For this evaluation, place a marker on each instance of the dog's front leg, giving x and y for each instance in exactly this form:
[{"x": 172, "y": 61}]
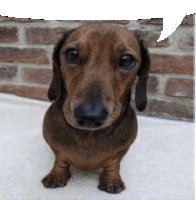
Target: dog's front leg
[
  {"x": 110, "y": 180},
  {"x": 58, "y": 176}
]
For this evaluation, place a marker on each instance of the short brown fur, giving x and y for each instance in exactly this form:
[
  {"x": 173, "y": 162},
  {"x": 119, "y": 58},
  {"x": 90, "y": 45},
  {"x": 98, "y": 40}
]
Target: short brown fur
[{"x": 97, "y": 75}]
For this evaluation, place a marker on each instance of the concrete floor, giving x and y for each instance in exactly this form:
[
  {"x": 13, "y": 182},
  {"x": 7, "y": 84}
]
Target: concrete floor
[{"x": 159, "y": 165}]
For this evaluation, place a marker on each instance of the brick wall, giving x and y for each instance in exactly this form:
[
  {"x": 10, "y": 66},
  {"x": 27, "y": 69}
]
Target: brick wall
[{"x": 26, "y": 48}]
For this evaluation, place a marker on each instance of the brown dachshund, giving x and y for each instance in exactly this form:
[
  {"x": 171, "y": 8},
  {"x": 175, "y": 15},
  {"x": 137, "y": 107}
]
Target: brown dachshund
[{"x": 91, "y": 123}]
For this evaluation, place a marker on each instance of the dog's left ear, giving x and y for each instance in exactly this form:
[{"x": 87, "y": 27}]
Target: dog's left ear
[
  {"x": 57, "y": 81},
  {"x": 140, "y": 94}
]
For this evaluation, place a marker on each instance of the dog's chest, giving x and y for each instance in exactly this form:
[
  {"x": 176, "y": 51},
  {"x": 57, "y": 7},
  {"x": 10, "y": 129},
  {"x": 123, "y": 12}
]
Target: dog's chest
[
  {"x": 88, "y": 156},
  {"x": 91, "y": 151}
]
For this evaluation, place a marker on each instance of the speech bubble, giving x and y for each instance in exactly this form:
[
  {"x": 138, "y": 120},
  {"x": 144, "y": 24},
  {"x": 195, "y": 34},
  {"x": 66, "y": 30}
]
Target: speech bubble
[{"x": 170, "y": 23}]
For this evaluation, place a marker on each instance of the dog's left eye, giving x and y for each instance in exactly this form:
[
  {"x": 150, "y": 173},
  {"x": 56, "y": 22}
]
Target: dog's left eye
[
  {"x": 127, "y": 62},
  {"x": 72, "y": 56}
]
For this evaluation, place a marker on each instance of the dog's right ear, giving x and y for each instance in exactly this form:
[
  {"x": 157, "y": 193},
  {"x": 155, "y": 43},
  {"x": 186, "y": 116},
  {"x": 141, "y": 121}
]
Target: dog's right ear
[
  {"x": 140, "y": 94},
  {"x": 57, "y": 81}
]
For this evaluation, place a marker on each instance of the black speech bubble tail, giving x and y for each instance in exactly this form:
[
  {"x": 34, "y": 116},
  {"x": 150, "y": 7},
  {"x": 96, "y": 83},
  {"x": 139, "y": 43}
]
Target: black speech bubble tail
[{"x": 169, "y": 25}]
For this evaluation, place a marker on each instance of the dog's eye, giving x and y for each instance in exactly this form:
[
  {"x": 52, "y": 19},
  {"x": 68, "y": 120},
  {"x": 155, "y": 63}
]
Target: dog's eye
[
  {"x": 72, "y": 56},
  {"x": 127, "y": 61}
]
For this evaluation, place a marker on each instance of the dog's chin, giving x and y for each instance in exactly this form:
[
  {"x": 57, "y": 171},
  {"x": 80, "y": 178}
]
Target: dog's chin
[
  {"x": 88, "y": 128},
  {"x": 75, "y": 125}
]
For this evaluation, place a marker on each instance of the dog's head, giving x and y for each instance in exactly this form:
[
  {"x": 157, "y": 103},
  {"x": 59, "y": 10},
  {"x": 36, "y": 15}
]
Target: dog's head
[{"x": 94, "y": 68}]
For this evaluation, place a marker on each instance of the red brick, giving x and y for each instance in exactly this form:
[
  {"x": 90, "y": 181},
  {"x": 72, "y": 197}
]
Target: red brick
[
  {"x": 21, "y": 20},
  {"x": 179, "y": 88},
  {"x": 44, "y": 35},
  {"x": 8, "y": 34},
  {"x": 41, "y": 76},
  {"x": 27, "y": 55},
  {"x": 188, "y": 20},
  {"x": 7, "y": 72},
  {"x": 167, "y": 109},
  {"x": 152, "y": 85},
  {"x": 162, "y": 63},
  {"x": 152, "y": 21},
  {"x": 153, "y": 43},
  {"x": 170, "y": 109},
  {"x": 39, "y": 93},
  {"x": 187, "y": 42},
  {"x": 150, "y": 40},
  {"x": 99, "y": 21}
]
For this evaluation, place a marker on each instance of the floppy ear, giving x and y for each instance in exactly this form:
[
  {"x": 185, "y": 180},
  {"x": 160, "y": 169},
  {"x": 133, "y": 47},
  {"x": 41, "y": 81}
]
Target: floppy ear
[
  {"x": 57, "y": 81},
  {"x": 140, "y": 94}
]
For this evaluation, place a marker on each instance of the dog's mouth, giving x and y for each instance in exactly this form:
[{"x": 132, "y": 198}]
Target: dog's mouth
[
  {"x": 89, "y": 128},
  {"x": 91, "y": 121},
  {"x": 90, "y": 124}
]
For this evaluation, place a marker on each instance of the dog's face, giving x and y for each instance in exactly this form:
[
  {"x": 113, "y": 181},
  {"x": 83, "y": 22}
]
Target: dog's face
[{"x": 96, "y": 66}]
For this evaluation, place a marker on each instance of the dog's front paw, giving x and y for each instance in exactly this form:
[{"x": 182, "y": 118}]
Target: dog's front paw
[
  {"x": 114, "y": 187},
  {"x": 55, "y": 180}
]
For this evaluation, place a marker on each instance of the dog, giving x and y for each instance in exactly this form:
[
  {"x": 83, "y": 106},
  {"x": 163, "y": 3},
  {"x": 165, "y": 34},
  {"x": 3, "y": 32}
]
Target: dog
[{"x": 90, "y": 123}]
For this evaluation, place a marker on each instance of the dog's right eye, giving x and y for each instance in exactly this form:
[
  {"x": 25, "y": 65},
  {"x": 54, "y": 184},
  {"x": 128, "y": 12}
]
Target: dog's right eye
[
  {"x": 127, "y": 62},
  {"x": 72, "y": 56}
]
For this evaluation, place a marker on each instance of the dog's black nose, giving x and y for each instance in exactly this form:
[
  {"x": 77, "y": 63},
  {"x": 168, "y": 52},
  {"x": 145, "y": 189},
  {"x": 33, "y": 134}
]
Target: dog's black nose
[{"x": 90, "y": 115}]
